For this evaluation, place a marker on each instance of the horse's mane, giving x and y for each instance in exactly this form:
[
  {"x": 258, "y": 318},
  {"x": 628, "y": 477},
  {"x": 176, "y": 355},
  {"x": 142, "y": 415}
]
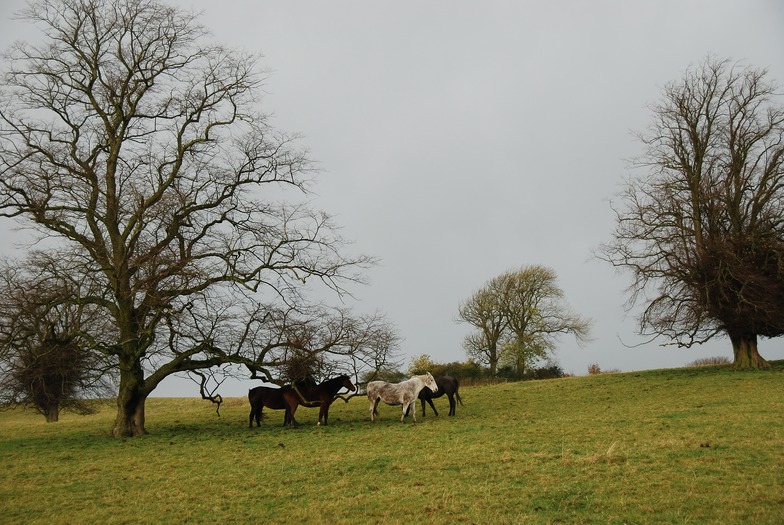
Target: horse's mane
[
  {"x": 328, "y": 384},
  {"x": 338, "y": 379}
]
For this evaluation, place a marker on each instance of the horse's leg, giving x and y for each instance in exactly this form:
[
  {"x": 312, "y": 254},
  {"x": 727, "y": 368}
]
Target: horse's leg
[
  {"x": 324, "y": 411},
  {"x": 407, "y": 404},
  {"x": 431, "y": 406},
  {"x": 250, "y": 418},
  {"x": 451, "y": 404},
  {"x": 292, "y": 420},
  {"x": 373, "y": 409},
  {"x": 255, "y": 412},
  {"x": 290, "y": 404},
  {"x": 423, "y": 407},
  {"x": 288, "y": 419}
]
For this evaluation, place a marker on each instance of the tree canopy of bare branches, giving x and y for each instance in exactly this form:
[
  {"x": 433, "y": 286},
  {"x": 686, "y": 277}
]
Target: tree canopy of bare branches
[
  {"x": 45, "y": 360},
  {"x": 702, "y": 232},
  {"x": 136, "y": 147},
  {"x": 518, "y": 316}
]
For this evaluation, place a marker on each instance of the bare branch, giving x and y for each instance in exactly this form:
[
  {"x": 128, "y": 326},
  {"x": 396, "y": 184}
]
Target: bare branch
[{"x": 202, "y": 382}]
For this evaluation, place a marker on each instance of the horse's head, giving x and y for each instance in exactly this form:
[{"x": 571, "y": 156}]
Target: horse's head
[
  {"x": 430, "y": 382},
  {"x": 348, "y": 384}
]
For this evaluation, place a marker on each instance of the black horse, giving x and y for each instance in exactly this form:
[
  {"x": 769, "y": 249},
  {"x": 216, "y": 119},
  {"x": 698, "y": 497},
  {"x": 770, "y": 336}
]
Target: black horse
[
  {"x": 264, "y": 396},
  {"x": 446, "y": 385},
  {"x": 310, "y": 394}
]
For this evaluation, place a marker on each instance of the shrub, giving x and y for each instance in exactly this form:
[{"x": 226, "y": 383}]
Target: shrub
[
  {"x": 710, "y": 361},
  {"x": 551, "y": 371},
  {"x": 593, "y": 370}
]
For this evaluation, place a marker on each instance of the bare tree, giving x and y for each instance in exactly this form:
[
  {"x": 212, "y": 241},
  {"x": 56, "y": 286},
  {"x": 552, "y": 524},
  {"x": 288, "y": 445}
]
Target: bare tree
[
  {"x": 44, "y": 357},
  {"x": 519, "y": 316},
  {"x": 137, "y": 144},
  {"x": 536, "y": 314},
  {"x": 703, "y": 231},
  {"x": 482, "y": 311}
]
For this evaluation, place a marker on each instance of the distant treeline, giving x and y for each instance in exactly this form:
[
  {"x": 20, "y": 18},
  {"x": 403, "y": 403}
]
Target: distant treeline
[{"x": 472, "y": 373}]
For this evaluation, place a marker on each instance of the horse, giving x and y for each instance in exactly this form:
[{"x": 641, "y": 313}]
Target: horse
[
  {"x": 264, "y": 396},
  {"x": 309, "y": 394},
  {"x": 446, "y": 385},
  {"x": 403, "y": 393}
]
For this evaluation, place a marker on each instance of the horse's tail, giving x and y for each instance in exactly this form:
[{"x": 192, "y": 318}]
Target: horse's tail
[{"x": 457, "y": 393}]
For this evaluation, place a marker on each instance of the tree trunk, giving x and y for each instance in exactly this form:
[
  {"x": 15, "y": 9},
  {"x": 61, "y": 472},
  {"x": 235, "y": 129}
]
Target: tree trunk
[
  {"x": 492, "y": 360},
  {"x": 130, "y": 403},
  {"x": 746, "y": 355},
  {"x": 52, "y": 414},
  {"x": 130, "y": 417}
]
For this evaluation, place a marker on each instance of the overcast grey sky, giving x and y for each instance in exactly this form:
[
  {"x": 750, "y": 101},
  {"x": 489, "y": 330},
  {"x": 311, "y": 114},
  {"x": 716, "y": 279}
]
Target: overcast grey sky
[{"x": 458, "y": 140}]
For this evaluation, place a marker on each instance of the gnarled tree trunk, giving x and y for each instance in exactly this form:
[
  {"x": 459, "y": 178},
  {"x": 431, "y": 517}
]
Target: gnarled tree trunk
[
  {"x": 744, "y": 346},
  {"x": 130, "y": 417},
  {"x": 130, "y": 402}
]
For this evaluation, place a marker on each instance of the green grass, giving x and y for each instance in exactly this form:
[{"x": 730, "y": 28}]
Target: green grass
[{"x": 698, "y": 445}]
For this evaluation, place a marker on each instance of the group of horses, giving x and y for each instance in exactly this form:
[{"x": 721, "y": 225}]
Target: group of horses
[{"x": 308, "y": 393}]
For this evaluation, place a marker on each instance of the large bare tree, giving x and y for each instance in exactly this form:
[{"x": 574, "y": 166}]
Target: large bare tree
[
  {"x": 702, "y": 232},
  {"x": 518, "y": 317},
  {"x": 137, "y": 147}
]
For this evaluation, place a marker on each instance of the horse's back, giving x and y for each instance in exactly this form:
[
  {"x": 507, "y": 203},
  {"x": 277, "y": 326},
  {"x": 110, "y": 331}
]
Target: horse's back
[
  {"x": 374, "y": 388},
  {"x": 399, "y": 393},
  {"x": 269, "y": 397},
  {"x": 257, "y": 393},
  {"x": 448, "y": 384}
]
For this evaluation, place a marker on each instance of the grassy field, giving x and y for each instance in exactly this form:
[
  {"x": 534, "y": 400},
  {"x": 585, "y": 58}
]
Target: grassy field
[{"x": 698, "y": 445}]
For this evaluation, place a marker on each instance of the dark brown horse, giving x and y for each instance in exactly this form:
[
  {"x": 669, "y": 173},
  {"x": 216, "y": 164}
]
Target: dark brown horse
[
  {"x": 310, "y": 394},
  {"x": 446, "y": 385},
  {"x": 264, "y": 396}
]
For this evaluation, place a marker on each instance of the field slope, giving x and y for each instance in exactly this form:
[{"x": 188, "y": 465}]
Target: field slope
[{"x": 696, "y": 445}]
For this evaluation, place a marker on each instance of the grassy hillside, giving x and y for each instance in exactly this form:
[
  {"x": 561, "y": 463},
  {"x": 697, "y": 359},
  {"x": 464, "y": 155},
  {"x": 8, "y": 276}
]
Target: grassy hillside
[{"x": 701, "y": 445}]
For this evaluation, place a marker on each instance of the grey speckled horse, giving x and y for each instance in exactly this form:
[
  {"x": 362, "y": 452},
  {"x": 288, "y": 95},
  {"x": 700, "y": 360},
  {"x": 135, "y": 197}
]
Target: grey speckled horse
[{"x": 403, "y": 393}]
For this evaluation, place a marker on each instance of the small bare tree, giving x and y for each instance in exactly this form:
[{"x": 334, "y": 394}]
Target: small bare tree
[
  {"x": 45, "y": 361},
  {"x": 482, "y": 311},
  {"x": 703, "y": 231}
]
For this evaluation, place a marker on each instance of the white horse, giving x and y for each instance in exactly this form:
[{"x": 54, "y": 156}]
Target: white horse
[{"x": 403, "y": 393}]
